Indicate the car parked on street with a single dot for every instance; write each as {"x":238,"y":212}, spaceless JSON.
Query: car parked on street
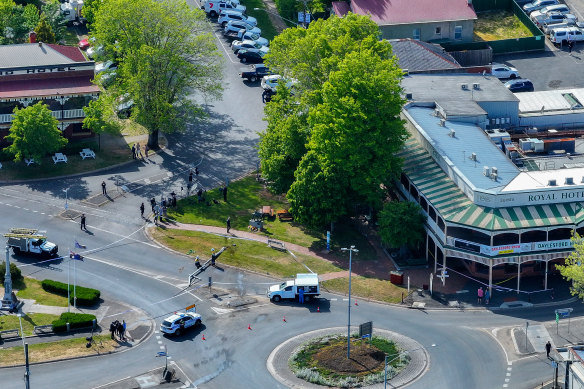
{"x":251,"y":56}
{"x":538,"y":4}
{"x":236,"y":28}
{"x":561,"y":8}
{"x":177,"y":324}
{"x":504,"y":71}
{"x":252,"y":36}
{"x":227,"y":16}
{"x":105,"y":66}
{"x":555,"y":18}
{"x":248,"y":45}
{"x":214,"y":7}
{"x":254,"y":72}
{"x":562,"y":36}
{"x":271,"y":82}
{"x":519,"y":85}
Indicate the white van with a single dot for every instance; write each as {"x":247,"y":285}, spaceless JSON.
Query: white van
{"x":214,"y":7}
{"x":564,"y":35}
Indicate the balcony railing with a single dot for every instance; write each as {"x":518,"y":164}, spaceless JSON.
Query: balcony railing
{"x":65,"y":114}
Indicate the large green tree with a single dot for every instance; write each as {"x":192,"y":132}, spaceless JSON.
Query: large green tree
{"x":44,"y":31}
{"x":52,"y":10}
{"x":166,"y":53}
{"x":346,"y":102}
{"x":573,"y":270}
{"x":401,"y":224}
{"x":34,"y":133}
{"x":90,"y":9}
{"x":13,"y":25}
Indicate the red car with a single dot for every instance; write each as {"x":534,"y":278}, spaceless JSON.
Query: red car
{"x":84,"y":44}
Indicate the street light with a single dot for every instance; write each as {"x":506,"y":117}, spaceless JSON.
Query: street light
{"x":25,"y":347}
{"x":280,"y":16}
{"x":66,"y":198}
{"x":399,"y":355}
{"x":350,"y":250}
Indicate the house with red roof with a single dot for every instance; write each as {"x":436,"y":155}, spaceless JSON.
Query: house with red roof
{"x":425,"y":20}
{"x":59,"y":76}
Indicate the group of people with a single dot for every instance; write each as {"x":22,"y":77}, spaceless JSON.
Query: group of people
{"x":119,"y":329}
{"x":483,"y":293}
{"x":137,"y":151}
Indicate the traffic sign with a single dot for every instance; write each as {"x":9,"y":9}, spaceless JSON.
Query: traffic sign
{"x":366,"y":329}
{"x":564,"y":312}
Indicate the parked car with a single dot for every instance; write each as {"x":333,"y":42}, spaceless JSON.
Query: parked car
{"x":248,"y":45}
{"x":555,"y":18}
{"x":84,"y":44}
{"x":561,"y":36}
{"x":271,"y":82}
{"x":250,"y":56}
{"x":538,"y":4}
{"x":93,"y":52}
{"x":255,"y":72}
{"x":252,"y":36}
{"x":561,"y":8}
{"x":214,"y":7}
{"x":176,"y":324}
{"x":504,"y":71}
{"x":548,"y":28}
{"x":227,"y":16}
{"x":105,"y":66}
{"x":238,"y":28}
{"x":519,"y":85}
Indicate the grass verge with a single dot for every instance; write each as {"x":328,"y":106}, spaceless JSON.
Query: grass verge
{"x":30,"y":288}
{"x":245,"y":254}
{"x":262,"y":16}
{"x":69,"y":348}
{"x":496,"y":25}
{"x":365,"y":287}
{"x":246,"y":196}
{"x":11,"y":322}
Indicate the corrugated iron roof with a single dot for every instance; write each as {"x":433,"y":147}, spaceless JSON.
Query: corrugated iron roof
{"x":419,"y":56}
{"x":34,"y":54}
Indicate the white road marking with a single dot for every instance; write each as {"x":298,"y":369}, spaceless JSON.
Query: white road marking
{"x":162,"y":347}
{"x":510,"y":363}
{"x":505,"y":385}
{"x":334,"y":299}
{"x":160,"y":342}
{"x":345,"y":299}
{"x":506,"y":379}
{"x":508,"y":374}
{"x":509,"y":368}
{"x":157,"y":336}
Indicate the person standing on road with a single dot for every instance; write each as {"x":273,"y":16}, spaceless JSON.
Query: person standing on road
{"x":548,"y":348}
{"x":301,"y":295}
{"x":142,"y":210}
{"x":123,"y":332}
{"x":103,"y":191}
{"x":133,"y":151}
{"x":228,"y":224}
{"x":480,"y":294}
{"x":153,"y":203}
{"x":83,"y":222}
{"x":487,"y":296}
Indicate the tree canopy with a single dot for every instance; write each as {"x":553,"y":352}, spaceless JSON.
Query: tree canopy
{"x":90,"y":9}
{"x":401,"y":223}
{"x":44,"y":31}
{"x":34,"y":133}
{"x":340,"y":128}
{"x":165,"y":52}
{"x":573,"y":270}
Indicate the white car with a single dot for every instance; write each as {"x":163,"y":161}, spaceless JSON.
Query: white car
{"x":561,"y":8}
{"x":271,"y":82}
{"x":179,"y":322}
{"x":538,"y":4}
{"x":104,"y":66}
{"x":227,"y":16}
{"x":554,"y":18}
{"x":504,"y":71}
{"x":93,"y":51}
{"x":214,"y":7}
{"x":252,"y":36}
{"x":247,"y":45}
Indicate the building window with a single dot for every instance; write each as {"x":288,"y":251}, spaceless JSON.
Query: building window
{"x":416,"y":34}
{"x":458,"y":32}
{"x":438,"y":31}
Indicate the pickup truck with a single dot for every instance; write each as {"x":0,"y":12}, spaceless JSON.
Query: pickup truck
{"x":254,"y":72}
{"x":29,"y":241}
{"x":308,"y":282}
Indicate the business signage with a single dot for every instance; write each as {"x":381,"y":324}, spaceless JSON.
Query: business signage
{"x":4,"y":72}
{"x":516,"y":248}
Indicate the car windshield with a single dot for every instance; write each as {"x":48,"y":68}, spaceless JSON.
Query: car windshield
{"x":282,"y":286}
{"x":254,"y":37}
{"x":166,"y":323}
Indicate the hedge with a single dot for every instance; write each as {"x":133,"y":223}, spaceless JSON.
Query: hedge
{"x":15,"y":273}
{"x":86,"y":297}
{"x":75,"y":320}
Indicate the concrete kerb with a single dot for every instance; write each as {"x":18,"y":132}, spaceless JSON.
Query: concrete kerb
{"x":277,"y":361}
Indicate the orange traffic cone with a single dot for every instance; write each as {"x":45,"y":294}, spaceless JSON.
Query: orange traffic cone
{"x":284,"y":319}
{"x":204,"y":337}
{"x":356,"y":303}
{"x":317,"y":309}
{"x":249,"y":326}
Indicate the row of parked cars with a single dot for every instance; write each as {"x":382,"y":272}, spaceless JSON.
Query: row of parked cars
{"x":555,"y":20}
{"x":247,"y":42}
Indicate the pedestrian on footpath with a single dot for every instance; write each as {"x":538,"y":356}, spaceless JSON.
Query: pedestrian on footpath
{"x":103,"y":191}
{"x":83,"y":222}
{"x":225,"y":193}
{"x":228,"y":224}
{"x":480,"y":294}
{"x":146,"y":149}
{"x":142,"y":210}
{"x":487,"y":296}
{"x":133,"y":151}
{"x":548,"y":348}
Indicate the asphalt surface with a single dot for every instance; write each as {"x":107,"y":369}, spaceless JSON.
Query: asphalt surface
{"x":126,"y":266}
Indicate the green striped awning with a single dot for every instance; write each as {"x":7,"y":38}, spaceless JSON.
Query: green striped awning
{"x":451,"y":203}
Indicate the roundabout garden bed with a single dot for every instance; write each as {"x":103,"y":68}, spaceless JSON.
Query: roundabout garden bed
{"x":324,"y":361}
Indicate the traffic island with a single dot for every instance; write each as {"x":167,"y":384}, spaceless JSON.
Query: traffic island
{"x":320,"y":358}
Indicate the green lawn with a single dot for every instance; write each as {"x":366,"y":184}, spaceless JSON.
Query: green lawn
{"x":11,"y":322}
{"x":247,"y":195}
{"x":32,"y":289}
{"x":264,"y":22}
{"x":369,"y":288}
{"x":496,"y":25}
{"x":241,"y":253}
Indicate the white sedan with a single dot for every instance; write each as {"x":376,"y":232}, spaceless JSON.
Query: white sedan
{"x":271,"y":82}
{"x":248,"y":45}
{"x":179,"y":322}
{"x":504,"y":71}
{"x":104,"y":66}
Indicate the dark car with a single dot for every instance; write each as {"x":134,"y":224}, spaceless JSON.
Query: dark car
{"x":250,"y":56}
{"x":256,"y":72}
{"x":520,"y":85}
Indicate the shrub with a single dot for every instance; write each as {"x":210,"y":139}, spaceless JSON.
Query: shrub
{"x":14,"y":273}
{"x":86,"y":297}
{"x":75,"y":320}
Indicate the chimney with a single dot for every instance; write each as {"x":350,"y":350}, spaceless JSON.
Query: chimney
{"x":32,"y":37}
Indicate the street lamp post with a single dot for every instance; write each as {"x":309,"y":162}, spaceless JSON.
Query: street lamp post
{"x":25,"y":347}
{"x":281,"y":17}
{"x":350,"y":250}
{"x":66,"y":198}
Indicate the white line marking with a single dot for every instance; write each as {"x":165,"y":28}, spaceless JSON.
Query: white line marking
{"x":345,"y":299}
{"x":110,"y":383}
{"x":334,"y":299}
{"x":509,"y":368}
{"x":162,"y":347}
{"x":506,"y":379}
{"x":505,"y":385}
{"x":160,"y":342}
{"x":510,"y":363}
{"x":508,"y":375}
{"x":157,"y":336}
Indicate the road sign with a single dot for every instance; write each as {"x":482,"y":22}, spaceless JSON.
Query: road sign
{"x":564,"y":313}
{"x":366,"y":329}
{"x":191,"y":308}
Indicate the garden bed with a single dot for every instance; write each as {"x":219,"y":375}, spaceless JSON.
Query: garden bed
{"x":498,"y":25}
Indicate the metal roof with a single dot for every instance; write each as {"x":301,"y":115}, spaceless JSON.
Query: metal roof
{"x":32,"y":54}
{"x":552,"y":100}
{"x":416,"y":56}
{"x":460,"y":108}
{"x":447,"y":87}
{"x":453,"y":205}
{"x":306,"y":279}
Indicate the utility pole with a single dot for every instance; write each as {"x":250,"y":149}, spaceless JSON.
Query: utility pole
{"x":27,"y":370}
{"x":7,"y":279}
{"x":350,"y":250}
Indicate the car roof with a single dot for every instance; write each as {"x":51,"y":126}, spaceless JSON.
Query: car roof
{"x":176,"y":316}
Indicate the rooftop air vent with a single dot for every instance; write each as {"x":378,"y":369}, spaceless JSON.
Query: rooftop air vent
{"x":494,"y":170}
{"x":409,"y":96}
{"x":473,"y":157}
{"x":487,"y":171}
{"x":494,"y":176}
{"x":464,"y":86}
{"x":552,"y":183}
{"x":443,"y":122}
{"x":452,"y":134}
{"x":476,"y":86}
{"x":569,"y":181}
